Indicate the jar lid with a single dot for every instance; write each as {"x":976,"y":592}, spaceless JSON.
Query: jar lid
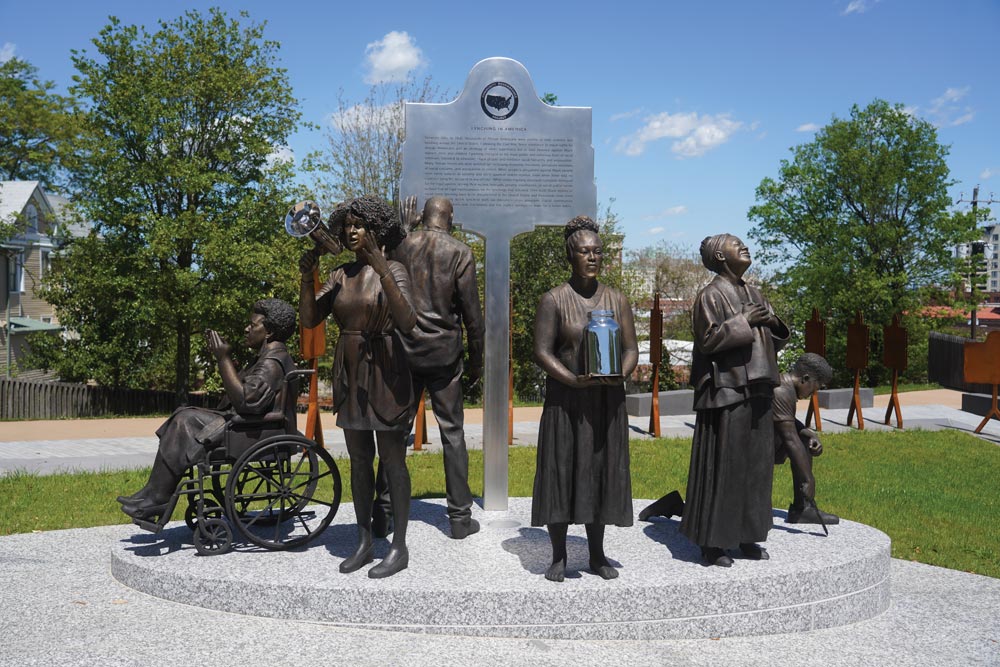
{"x":601,"y":313}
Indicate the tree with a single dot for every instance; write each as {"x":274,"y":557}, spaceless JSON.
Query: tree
{"x":859,"y":220}
{"x":673,"y":271}
{"x":364,"y":143}
{"x":36,"y":125}
{"x":177,"y":167}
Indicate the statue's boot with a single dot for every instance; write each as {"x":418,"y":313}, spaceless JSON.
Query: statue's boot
{"x":395,"y":561}
{"x":362,"y":555}
{"x":669,"y":505}
{"x":144,"y":510}
{"x":158,"y":477}
{"x":398,"y":557}
{"x":155,"y":496}
{"x":810,"y":515}
{"x":462,"y":529}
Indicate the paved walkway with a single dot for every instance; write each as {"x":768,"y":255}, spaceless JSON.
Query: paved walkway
{"x":45,"y":447}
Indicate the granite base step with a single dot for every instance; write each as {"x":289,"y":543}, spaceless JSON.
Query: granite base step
{"x":492,"y":583}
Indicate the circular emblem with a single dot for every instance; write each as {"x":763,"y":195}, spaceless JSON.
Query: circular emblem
{"x":499,"y":100}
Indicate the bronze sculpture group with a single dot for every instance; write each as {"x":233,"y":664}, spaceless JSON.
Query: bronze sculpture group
{"x":400,"y":307}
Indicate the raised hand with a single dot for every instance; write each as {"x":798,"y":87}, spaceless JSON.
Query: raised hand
{"x":308,"y":262}
{"x":216,"y":344}
{"x":408,"y":212}
{"x":373,"y":256}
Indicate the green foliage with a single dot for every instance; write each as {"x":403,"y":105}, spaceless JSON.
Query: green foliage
{"x":858,"y":220}
{"x":177,"y":165}
{"x":36,"y":126}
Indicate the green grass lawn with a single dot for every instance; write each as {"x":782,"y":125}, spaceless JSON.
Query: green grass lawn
{"x":934,"y":493}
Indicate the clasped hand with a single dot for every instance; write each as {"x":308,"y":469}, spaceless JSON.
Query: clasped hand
{"x":757,"y":314}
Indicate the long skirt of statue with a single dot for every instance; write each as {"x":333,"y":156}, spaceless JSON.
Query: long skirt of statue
{"x":728,"y":498}
{"x":582,"y":469}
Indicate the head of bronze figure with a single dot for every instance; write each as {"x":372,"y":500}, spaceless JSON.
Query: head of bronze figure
{"x":584,"y":248}
{"x":371,"y":214}
{"x":276,"y":317}
{"x":725,"y":253}
{"x":438,"y":214}
{"x":812,"y":373}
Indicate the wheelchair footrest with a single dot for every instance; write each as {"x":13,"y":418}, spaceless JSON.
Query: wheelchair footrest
{"x":151,"y":526}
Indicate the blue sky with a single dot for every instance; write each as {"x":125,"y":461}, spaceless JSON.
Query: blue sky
{"x":693,"y":103}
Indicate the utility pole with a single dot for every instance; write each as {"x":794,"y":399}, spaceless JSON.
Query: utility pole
{"x":975,"y":248}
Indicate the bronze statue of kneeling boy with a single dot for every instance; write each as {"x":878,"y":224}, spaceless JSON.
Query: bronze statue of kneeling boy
{"x":190,"y":432}
{"x":796,"y":443}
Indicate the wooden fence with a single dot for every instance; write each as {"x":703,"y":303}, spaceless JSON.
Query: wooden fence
{"x":946,"y":363}
{"x":20,"y":399}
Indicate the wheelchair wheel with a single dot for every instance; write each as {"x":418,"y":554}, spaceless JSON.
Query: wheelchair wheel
{"x":213,"y":537}
{"x":283,"y":492}
{"x":212,"y":510}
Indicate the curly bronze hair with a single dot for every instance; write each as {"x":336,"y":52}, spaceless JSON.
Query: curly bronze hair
{"x":580,"y":223}
{"x":279,"y":318}
{"x":376,"y":214}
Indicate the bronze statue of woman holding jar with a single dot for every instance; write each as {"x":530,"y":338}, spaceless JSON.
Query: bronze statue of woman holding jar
{"x":582,"y":470}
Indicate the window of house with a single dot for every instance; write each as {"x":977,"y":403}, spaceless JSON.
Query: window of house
{"x":31,"y":213}
{"x":47,"y":320}
{"x":44,"y":263}
{"x":15,"y":272}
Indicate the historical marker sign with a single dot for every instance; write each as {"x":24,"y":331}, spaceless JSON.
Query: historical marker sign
{"x":508,"y":162}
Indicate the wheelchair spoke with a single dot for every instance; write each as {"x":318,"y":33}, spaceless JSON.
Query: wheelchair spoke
{"x":311,"y":501}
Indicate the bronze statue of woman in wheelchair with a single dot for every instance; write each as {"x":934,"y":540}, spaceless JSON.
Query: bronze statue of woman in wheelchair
{"x":264,"y":476}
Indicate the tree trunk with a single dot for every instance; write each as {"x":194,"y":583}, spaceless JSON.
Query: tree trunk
{"x":183,"y":362}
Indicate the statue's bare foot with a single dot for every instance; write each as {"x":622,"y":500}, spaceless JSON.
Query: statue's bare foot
{"x":754,"y":551}
{"x":556,"y":571}
{"x":602,"y":568}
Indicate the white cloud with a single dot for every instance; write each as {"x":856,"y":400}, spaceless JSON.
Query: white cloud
{"x":666,"y":213}
{"x":985,"y":174}
{"x":625,"y":114}
{"x":280,"y":154}
{"x":945,"y":111}
{"x":392,"y":58}
{"x":655,"y":230}
{"x":7,"y":51}
{"x":807,"y":127}
{"x":858,"y":6}
{"x":695,"y":135}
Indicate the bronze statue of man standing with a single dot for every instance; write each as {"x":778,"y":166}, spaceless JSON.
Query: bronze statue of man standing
{"x":734,"y":371}
{"x":445,"y":296}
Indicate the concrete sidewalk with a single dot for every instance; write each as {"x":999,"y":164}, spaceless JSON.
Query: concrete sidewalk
{"x":46,"y":447}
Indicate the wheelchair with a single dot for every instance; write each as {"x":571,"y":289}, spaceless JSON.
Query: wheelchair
{"x":277,"y":488}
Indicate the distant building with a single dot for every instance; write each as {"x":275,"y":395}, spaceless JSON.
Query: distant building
{"x":988,"y":269}
{"x":25,"y":259}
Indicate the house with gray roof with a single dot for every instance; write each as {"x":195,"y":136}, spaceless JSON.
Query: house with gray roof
{"x":25,"y":258}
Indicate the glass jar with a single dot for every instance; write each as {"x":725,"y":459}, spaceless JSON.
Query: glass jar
{"x":602,"y":342}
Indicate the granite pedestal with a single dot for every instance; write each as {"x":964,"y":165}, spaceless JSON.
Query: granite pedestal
{"x":673,"y":402}
{"x":840,"y":399}
{"x":492,"y":583}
